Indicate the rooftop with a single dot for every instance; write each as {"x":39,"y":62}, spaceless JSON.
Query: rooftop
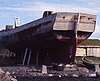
{"x":91,"y":42}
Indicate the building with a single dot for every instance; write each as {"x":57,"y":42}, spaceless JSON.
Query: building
{"x":88,"y":50}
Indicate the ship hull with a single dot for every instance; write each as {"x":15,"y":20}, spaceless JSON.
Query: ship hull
{"x":54,"y":37}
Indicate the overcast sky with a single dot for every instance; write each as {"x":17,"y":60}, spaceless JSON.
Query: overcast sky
{"x":28,"y":10}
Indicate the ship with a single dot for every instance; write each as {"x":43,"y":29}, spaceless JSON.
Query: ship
{"x":90,"y":62}
{"x":51,"y":39}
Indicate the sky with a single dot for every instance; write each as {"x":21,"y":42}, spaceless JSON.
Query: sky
{"x":29,"y":10}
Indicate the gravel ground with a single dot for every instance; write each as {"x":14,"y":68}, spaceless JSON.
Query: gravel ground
{"x":55,"y":78}
{"x":30,"y":73}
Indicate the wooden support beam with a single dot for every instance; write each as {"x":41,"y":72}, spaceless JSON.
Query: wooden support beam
{"x":37,"y":56}
{"x":25,"y":56}
{"x":30,"y":52}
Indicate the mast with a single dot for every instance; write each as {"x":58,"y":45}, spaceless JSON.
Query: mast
{"x":17,"y":22}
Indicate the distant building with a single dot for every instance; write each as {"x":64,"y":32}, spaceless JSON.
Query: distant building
{"x":88,"y":50}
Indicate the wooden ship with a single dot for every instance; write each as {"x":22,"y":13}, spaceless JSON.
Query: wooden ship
{"x":52,"y":38}
{"x":90,"y":62}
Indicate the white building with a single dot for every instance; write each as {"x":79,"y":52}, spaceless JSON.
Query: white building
{"x":88,"y":50}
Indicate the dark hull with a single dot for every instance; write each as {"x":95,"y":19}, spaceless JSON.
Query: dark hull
{"x":46,"y":37}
